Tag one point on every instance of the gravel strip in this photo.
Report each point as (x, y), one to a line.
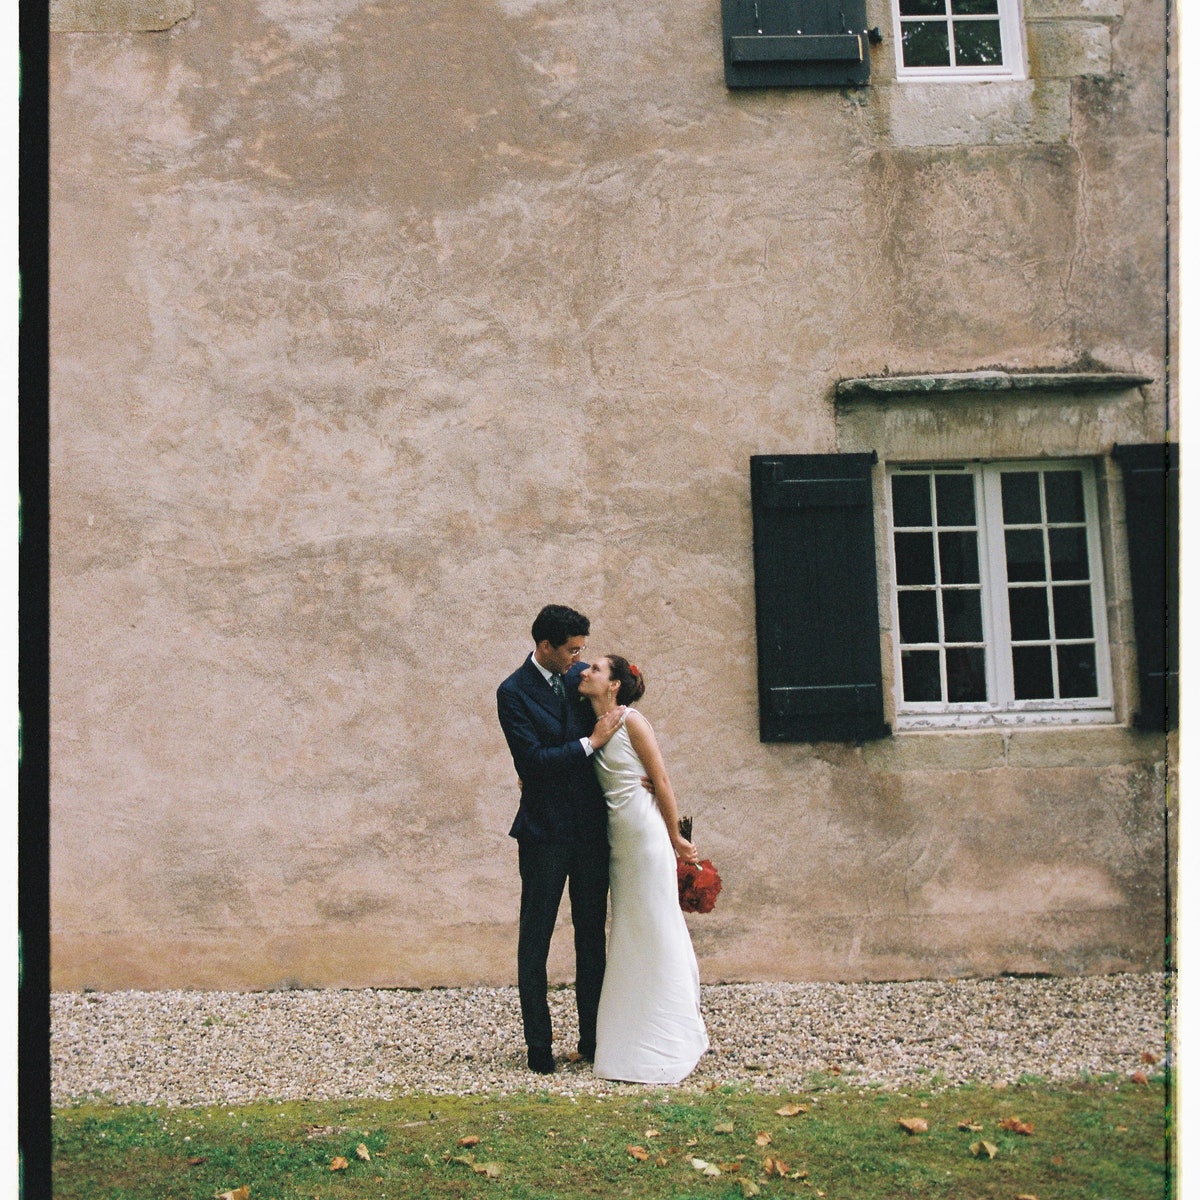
(189, 1048)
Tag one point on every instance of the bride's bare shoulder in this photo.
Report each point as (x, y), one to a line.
(636, 721)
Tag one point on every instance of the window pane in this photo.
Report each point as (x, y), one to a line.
(1073, 612)
(963, 616)
(918, 617)
(966, 681)
(926, 43)
(955, 499)
(1019, 494)
(1064, 496)
(959, 553)
(922, 8)
(1068, 554)
(1077, 671)
(977, 44)
(914, 558)
(1031, 673)
(910, 500)
(972, 8)
(1025, 555)
(922, 675)
(1028, 614)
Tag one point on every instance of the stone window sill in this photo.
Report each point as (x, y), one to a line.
(906, 387)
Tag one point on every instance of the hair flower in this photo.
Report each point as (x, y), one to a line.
(634, 671)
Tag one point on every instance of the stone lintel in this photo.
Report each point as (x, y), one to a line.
(897, 387)
(118, 16)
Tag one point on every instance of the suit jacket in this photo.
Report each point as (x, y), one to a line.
(561, 799)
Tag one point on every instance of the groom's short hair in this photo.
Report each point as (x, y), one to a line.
(556, 623)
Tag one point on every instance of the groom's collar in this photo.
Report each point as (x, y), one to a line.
(545, 674)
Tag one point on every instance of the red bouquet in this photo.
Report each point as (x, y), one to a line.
(699, 883)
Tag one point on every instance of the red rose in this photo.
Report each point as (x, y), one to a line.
(698, 886)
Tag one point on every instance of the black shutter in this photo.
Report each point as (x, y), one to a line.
(816, 602)
(795, 43)
(1152, 528)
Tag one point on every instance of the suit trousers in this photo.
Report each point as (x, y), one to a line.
(546, 868)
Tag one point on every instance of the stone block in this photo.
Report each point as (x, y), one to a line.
(1002, 112)
(1063, 49)
(1041, 10)
(937, 750)
(117, 16)
(1082, 746)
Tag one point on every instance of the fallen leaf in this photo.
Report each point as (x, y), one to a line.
(763, 1139)
(490, 1169)
(1027, 1196)
(724, 1127)
(730, 1168)
(467, 1160)
(968, 1127)
(574, 1057)
(660, 1161)
(748, 1186)
(979, 1149)
(362, 1152)
(1149, 1059)
(338, 1164)
(791, 1110)
(241, 1193)
(798, 1175)
(699, 1164)
(1139, 1077)
(914, 1124)
(1024, 1128)
(775, 1166)
(638, 1152)
(472, 1139)
(1121, 1128)
(692, 1142)
(1057, 1161)
(195, 1162)
(652, 1133)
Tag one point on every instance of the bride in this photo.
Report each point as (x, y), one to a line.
(649, 1028)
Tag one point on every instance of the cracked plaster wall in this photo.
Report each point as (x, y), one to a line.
(378, 325)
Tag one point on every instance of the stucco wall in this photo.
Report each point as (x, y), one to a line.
(376, 326)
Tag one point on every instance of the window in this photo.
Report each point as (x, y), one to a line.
(998, 596)
(959, 39)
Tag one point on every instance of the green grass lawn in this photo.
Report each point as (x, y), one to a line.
(1092, 1140)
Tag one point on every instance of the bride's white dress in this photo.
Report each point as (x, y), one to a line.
(649, 1028)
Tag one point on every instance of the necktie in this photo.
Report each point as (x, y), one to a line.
(557, 684)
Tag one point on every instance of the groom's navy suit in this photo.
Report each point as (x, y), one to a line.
(562, 831)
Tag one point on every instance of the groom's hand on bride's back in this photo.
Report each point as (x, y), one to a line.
(606, 726)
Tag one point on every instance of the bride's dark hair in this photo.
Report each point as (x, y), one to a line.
(633, 686)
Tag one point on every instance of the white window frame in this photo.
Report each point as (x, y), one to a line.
(1003, 709)
(1012, 45)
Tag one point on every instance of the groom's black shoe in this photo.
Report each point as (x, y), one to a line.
(587, 1051)
(541, 1060)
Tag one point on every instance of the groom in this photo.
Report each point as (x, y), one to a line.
(561, 824)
